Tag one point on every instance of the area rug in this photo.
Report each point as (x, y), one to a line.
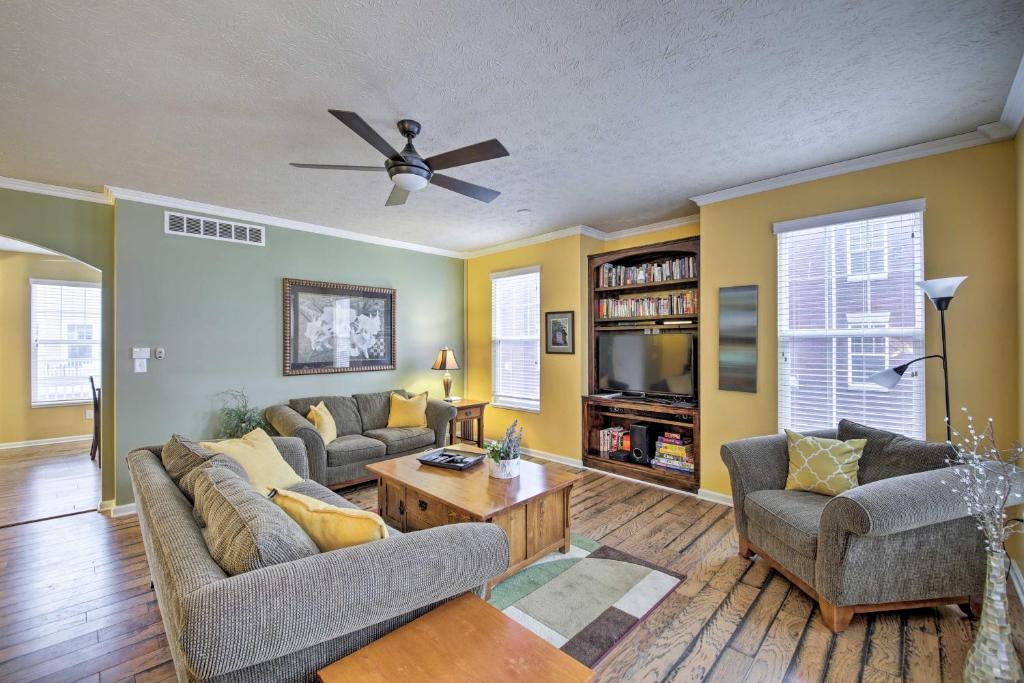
(586, 601)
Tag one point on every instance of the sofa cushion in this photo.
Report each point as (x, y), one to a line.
(403, 439)
(354, 448)
(180, 456)
(342, 408)
(312, 489)
(791, 516)
(243, 529)
(891, 455)
(331, 527)
(188, 482)
(258, 454)
(374, 408)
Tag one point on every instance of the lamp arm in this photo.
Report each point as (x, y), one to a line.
(911, 362)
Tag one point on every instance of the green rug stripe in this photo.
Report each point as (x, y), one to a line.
(588, 544)
(522, 583)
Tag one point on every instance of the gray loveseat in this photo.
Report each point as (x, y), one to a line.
(363, 434)
(286, 621)
(899, 539)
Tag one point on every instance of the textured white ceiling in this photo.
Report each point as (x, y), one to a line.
(615, 112)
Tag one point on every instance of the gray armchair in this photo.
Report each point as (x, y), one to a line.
(900, 539)
(363, 434)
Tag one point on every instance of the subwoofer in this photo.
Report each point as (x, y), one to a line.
(642, 440)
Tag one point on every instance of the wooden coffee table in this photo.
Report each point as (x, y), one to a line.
(462, 641)
(533, 508)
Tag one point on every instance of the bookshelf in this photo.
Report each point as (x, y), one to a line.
(636, 279)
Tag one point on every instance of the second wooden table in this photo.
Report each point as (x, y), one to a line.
(533, 508)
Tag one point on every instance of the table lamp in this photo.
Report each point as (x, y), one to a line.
(446, 361)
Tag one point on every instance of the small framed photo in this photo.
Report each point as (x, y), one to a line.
(560, 332)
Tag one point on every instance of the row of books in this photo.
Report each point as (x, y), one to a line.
(682, 303)
(613, 439)
(673, 453)
(681, 268)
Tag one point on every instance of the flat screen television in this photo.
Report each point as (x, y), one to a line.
(657, 364)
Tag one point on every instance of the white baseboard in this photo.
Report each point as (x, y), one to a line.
(123, 510)
(703, 494)
(45, 442)
(106, 505)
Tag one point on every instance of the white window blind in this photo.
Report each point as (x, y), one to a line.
(65, 337)
(848, 308)
(515, 338)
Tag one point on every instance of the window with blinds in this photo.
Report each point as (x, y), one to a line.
(65, 337)
(515, 339)
(848, 308)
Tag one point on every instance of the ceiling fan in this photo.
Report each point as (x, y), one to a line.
(408, 170)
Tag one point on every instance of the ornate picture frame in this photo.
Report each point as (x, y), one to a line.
(332, 327)
(560, 332)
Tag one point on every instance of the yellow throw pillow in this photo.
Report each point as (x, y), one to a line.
(821, 465)
(323, 421)
(258, 455)
(408, 412)
(329, 526)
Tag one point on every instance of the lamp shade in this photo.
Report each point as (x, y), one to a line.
(941, 288)
(889, 377)
(445, 360)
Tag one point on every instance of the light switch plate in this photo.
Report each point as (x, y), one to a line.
(140, 365)
(89, 414)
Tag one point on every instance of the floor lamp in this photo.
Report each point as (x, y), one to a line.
(941, 292)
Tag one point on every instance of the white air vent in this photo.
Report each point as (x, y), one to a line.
(208, 228)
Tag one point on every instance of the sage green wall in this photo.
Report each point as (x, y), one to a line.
(84, 231)
(216, 308)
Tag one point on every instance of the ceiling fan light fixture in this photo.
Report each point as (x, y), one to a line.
(410, 182)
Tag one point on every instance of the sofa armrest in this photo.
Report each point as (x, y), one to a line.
(897, 504)
(287, 422)
(268, 613)
(294, 453)
(439, 417)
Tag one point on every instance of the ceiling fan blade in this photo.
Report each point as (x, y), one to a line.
(340, 167)
(481, 151)
(484, 194)
(397, 196)
(363, 130)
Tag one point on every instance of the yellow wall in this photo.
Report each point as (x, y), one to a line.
(969, 229)
(19, 421)
(557, 428)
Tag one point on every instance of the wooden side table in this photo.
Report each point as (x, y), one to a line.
(462, 641)
(468, 424)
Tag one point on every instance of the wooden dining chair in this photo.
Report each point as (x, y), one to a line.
(94, 450)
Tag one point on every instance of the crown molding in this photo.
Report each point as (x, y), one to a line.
(1013, 110)
(651, 227)
(53, 190)
(115, 193)
(950, 144)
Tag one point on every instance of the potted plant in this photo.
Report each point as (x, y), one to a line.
(503, 456)
(237, 417)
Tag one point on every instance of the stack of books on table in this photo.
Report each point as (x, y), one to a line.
(673, 453)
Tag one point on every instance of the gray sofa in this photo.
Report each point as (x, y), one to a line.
(286, 621)
(363, 434)
(899, 539)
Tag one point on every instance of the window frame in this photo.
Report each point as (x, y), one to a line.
(882, 274)
(33, 346)
(522, 404)
(839, 375)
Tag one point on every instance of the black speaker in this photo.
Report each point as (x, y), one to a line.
(642, 441)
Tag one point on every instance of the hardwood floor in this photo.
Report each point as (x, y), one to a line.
(39, 482)
(75, 604)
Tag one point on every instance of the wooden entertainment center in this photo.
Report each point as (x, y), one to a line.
(628, 293)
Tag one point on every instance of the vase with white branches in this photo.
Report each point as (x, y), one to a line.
(504, 455)
(989, 480)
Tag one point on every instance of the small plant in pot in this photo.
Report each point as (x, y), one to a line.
(503, 456)
(237, 417)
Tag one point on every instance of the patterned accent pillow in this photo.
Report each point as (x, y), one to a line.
(820, 465)
(243, 529)
(180, 456)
